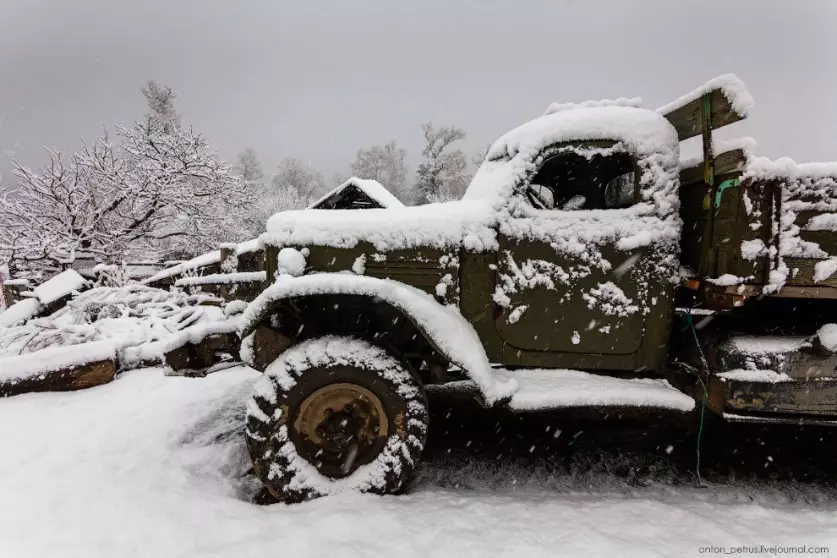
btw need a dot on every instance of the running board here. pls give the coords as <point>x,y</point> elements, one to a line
<point>554,389</point>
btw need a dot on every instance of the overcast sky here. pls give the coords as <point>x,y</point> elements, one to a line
<point>317,80</point>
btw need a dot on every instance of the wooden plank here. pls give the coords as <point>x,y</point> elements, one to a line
<point>817,397</point>
<point>687,119</point>
<point>802,273</point>
<point>203,354</point>
<point>69,379</point>
<point>726,162</point>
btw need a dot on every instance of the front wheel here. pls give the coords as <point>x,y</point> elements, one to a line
<point>332,414</point>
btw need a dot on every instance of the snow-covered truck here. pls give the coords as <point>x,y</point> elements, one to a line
<point>585,266</point>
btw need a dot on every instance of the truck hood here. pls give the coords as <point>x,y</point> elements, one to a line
<point>470,224</point>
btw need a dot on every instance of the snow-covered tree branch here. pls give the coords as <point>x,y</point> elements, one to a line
<point>159,190</point>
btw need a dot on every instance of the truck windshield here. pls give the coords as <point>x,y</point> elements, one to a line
<point>571,181</point>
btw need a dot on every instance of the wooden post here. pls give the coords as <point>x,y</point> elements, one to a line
<point>229,263</point>
<point>707,253</point>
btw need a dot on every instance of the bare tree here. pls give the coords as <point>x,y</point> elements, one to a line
<point>160,189</point>
<point>339,178</point>
<point>295,174</point>
<point>248,167</point>
<point>386,165</point>
<point>160,99</point>
<point>442,175</point>
<point>480,156</point>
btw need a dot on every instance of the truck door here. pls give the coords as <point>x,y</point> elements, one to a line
<point>572,258</point>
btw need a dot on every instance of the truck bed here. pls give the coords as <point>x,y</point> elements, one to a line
<point>765,227</point>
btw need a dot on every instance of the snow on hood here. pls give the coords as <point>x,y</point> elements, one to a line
<point>438,225</point>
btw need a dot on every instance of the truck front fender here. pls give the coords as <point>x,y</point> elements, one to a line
<point>443,327</point>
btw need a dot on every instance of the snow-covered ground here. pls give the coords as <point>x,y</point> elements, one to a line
<point>151,465</point>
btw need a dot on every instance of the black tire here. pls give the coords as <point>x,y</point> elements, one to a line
<point>334,414</point>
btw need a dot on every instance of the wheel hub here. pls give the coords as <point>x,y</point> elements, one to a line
<point>340,427</point>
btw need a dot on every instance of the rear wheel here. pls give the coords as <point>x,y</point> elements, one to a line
<point>332,414</point>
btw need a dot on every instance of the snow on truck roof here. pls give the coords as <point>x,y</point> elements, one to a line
<point>641,131</point>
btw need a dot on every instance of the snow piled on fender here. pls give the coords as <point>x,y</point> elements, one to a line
<point>445,326</point>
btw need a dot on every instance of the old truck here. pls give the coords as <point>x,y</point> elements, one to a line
<point>586,266</point>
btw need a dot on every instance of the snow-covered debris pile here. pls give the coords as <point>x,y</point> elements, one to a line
<point>141,323</point>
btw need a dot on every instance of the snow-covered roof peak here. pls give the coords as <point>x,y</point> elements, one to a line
<point>635,102</point>
<point>372,188</point>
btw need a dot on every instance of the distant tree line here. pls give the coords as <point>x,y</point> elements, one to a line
<point>156,190</point>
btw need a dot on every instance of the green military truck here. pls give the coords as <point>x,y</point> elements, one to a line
<point>586,266</point>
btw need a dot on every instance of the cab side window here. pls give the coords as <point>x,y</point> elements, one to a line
<point>572,181</point>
